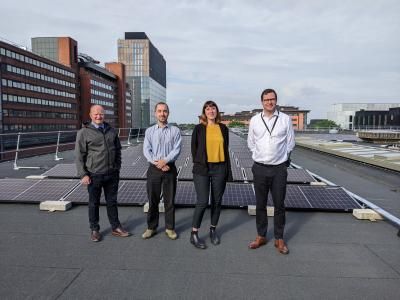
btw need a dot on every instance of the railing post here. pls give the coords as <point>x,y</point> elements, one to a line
<point>138,134</point>
<point>16,152</point>
<point>56,157</point>
<point>129,137</point>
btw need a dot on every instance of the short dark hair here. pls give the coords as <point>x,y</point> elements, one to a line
<point>161,103</point>
<point>267,91</point>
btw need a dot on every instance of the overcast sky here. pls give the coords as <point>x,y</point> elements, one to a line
<point>314,53</point>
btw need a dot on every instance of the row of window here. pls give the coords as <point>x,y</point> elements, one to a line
<point>36,127</point>
<point>109,112</point>
<point>102,94</point>
<point>35,62</point>
<point>101,84</point>
<point>37,101</point>
<point>35,75</point>
<point>35,88</point>
<point>37,114</point>
<point>101,102</point>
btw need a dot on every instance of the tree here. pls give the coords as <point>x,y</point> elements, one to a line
<point>236,124</point>
<point>325,124</point>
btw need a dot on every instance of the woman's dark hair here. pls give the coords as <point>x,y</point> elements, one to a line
<point>203,118</point>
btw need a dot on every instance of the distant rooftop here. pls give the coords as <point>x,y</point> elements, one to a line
<point>136,36</point>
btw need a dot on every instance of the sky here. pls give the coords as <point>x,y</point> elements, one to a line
<point>314,53</point>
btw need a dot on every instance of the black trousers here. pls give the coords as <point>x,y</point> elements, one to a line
<point>161,182</point>
<point>109,183</point>
<point>266,178</point>
<point>214,181</point>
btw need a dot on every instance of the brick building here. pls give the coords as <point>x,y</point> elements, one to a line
<point>299,117</point>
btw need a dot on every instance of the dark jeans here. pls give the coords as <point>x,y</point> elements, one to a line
<point>216,179</point>
<point>269,177</point>
<point>109,183</point>
<point>161,182</point>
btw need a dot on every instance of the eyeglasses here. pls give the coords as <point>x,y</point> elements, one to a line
<point>269,100</point>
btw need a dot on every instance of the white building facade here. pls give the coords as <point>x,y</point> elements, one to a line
<point>343,113</point>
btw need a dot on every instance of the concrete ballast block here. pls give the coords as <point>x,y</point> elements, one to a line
<point>39,177</point>
<point>251,210</point>
<point>55,205</point>
<point>366,214</point>
<point>161,208</point>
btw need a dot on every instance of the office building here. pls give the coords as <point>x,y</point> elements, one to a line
<point>374,119</point>
<point>343,113</point>
<point>97,85</point>
<point>37,94</point>
<point>145,73</point>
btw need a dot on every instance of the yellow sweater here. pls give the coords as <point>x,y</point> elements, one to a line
<point>214,144</point>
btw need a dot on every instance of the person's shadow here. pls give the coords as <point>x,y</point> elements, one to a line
<point>294,223</point>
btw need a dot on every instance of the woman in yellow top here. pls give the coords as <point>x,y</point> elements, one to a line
<point>211,169</point>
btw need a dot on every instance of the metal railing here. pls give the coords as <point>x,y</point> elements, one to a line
<point>14,146</point>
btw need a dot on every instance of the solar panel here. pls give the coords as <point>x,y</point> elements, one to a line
<point>44,190</point>
<point>295,198</point>
<point>236,173</point>
<point>334,198</point>
<point>186,172</point>
<point>294,175</point>
<point>80,195</point>
<point>238,195</point>
<point>133,172</point>
<point>299,175</point>
<point>246,162</point>
<point>249,173</point>
<point>11,188</point>
<point>62,171</point>
<point>185,193</point>
<point>132,192</point>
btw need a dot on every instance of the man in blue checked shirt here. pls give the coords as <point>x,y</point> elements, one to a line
<point>161,147</point>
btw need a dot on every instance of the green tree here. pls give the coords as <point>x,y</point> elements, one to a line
<point>325,124</point>
<point>236,124</point>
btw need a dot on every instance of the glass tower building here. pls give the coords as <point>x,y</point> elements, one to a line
<point>145,73</point>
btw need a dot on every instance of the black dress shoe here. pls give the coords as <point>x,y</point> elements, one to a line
<point>214,236</point>
<point>196,241</point>
<point>95,236</point>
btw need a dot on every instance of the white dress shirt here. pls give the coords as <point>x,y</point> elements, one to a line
<point>271,147</point>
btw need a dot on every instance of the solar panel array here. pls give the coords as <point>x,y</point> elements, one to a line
<point>132,191</point>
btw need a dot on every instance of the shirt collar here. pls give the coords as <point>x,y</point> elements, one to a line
<point>166,126</point>
<point>275,114</point>
<point>98,126</point>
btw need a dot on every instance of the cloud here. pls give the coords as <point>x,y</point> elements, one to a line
<point>314,53</point>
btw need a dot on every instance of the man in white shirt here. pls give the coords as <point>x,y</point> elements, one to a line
<point>271,140</point>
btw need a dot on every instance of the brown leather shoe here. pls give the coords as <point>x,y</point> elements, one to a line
<point>95,236</point>
<point>120,232</point>
<point>281,246</point>
<point>258,242</point>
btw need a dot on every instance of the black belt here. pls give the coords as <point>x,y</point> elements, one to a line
<point>265,165</point>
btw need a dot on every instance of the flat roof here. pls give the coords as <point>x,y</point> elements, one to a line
<point>332,255</point>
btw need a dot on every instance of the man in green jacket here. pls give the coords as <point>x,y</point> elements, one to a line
<point>98,161</point>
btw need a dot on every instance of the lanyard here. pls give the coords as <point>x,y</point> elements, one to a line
<point>273,126</point>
